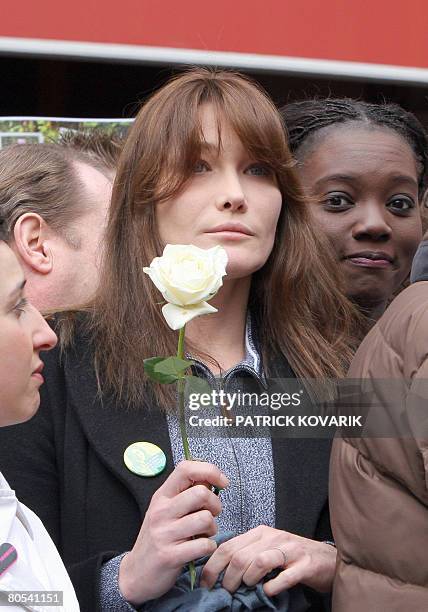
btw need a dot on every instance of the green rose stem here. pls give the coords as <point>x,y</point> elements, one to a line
<point>187,455</point>
<point>181,384</point>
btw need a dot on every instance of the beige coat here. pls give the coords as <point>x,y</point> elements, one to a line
<point>379,485</point>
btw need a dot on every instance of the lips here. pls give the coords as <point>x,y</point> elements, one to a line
<point>233,228</point>
<point>371,259</point>
<point>38,372</point>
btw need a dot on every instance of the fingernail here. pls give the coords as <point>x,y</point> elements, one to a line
<point>224,480</point>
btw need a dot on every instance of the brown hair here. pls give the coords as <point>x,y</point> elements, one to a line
<point>102,146</point>
<point>3,230</point>
<point>295,298</point>
<point>42,178</point>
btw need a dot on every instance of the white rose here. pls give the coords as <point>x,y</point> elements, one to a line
<point>187,277</point>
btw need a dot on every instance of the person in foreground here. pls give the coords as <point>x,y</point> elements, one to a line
<point>206,162</point>
<point>29,560</point>
<point>366,168</point>
<point>391,562</point>
<point>379,482</point>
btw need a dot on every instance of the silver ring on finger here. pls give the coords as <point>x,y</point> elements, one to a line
<point>283,554</point>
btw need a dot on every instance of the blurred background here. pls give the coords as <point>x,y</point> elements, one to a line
<point>90,59</point>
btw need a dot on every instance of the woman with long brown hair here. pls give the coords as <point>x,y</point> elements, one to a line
<point>206,163</point>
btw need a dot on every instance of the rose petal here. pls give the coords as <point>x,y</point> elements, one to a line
<point>178,316</point>
<point>152,272</point>
<point>187,275</point>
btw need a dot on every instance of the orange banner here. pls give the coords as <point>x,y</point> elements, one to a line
<point>376,31</point>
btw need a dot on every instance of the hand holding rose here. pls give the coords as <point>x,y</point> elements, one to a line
<point>186,276</point>
<point>177,513</point>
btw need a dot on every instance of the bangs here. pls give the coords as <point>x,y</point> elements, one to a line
<point>238,104</point>
<point>256,123</point>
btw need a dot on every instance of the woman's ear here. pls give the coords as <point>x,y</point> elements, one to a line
<point>30,233</point>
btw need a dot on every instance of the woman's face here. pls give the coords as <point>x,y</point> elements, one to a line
<point>232,200</point>
<point>23,334</point>
<point>366,183</point>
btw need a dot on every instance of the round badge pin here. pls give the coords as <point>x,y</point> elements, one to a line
<point>144,459</point>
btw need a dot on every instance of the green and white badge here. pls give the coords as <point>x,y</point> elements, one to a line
<point>144,459</point>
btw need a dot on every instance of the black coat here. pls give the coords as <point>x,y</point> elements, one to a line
<point>67,465</point>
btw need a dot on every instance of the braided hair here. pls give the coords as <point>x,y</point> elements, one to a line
<point>305,119</point>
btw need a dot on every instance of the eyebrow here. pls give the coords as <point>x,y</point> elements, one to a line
<point>19,287</point>
<point>402,178</point>
<point>352,178</point>
<point>346,178</point>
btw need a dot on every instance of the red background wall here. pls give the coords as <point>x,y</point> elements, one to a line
<point>378,31</point>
